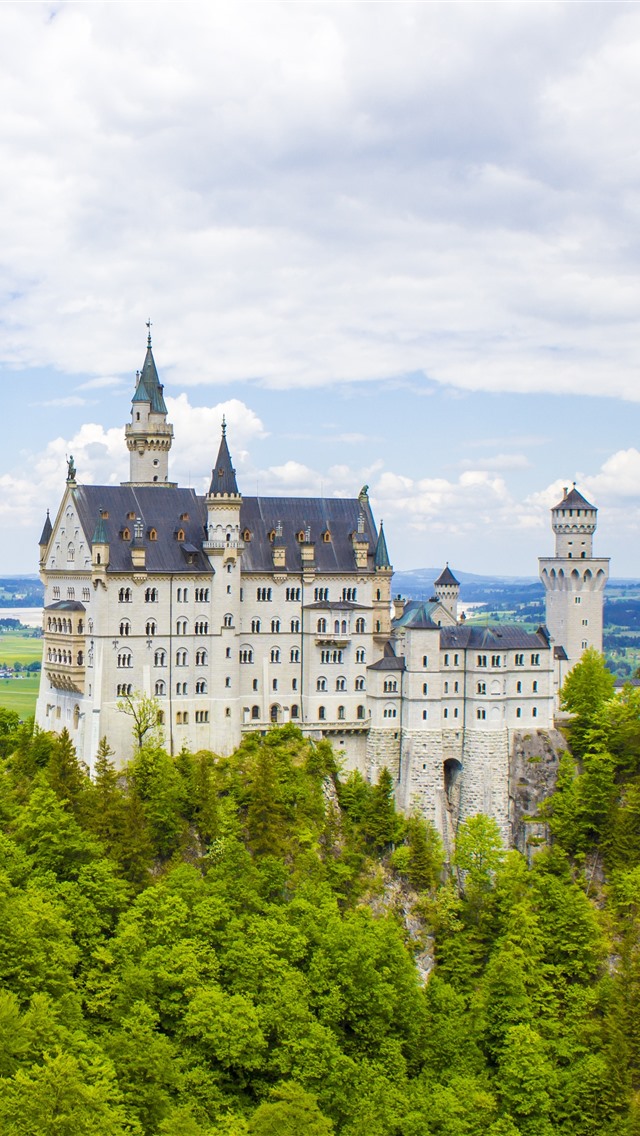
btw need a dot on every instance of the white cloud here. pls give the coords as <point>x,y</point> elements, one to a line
<point>305,194</point>
<point>497,461</point>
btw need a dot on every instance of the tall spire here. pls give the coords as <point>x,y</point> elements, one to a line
<point>223,475</point>
<point>381,558</point>
<point>47,529</point>
<point>148,435</point>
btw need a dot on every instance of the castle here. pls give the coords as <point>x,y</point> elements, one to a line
<point>236,613</point>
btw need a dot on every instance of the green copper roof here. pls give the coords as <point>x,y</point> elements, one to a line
<point>381,558</point>
<point>149,388</point>
<point>223,476</point>
<point>100,535</point>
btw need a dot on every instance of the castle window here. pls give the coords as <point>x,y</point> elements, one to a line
<point>390,685</point>
<point>577,599</point>
<point>201,686</point>
<point>246,655</point>
<point>425,688</point>
<point>124,595</point>
<point>322,626</point>
<point>519,660</point>
<point>425,660</point>
<point>160,718</point>
<point>124,689</point>
<point>181,627</point>
<point>425,715</point>
<point>125,659</point>
<point>322,713</point>
<point>585,622</point>
<point>271,536</point>
<point>56,593</point>
<point>202,715</point>
<point>151,627</point>
<point>456,660</point>
<point>300,536</point>
<point>274,684</point>
<point>255,713</point>
<point>292,594</point>
<point>389,712</point>
<point>534,687</point>
<point>584,644</point>
<point>341,683</point>
<point>481,688</point>
<point>246,535</point>
<point>295,713</point>
<point>321,684</point>
<point>534,712</point>
<point>481,660</point>
<point>202,595</point>
<point>518,688</point>
<point>125,627</point>
<point>295,626</point>
<point>321,595</point>
<point>446,688</point>
<point>518,712</point>
<point>446,661</point>
<point>341,713</point>
<point>350,594</point>
<point>294,684</point>
<point>263,595</point>
<point>180,534</point>
<point>151,595</point>
<point>445,712</point>
<point>360,713</point>
<point>227,681</point>
<point>153,534</point>
<point>481,715</point>
<point>160,659</point>
<point>227,621</point>
<point>254,685</point>
<point>359,683</point>
<point>295,655</point>
<point>182,658</point>
<point>275,626</point>
<point>125,534</point>
<point>275,654</point>
<point>184,516</point>
<point>378,625</point>
<point>160,688</point>
<point>255,626</point>
<point>360,655</point>
<point>326,536</point>
<point>181,688</point>
<point>360,626</point>
<point>535,660</point>
<point>496,660</point>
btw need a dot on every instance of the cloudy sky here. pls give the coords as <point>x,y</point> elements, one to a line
<point>394,243</point>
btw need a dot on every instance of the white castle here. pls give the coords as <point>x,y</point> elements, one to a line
<point>237,613</point>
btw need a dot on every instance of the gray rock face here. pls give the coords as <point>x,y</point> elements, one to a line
<point>533,768</point>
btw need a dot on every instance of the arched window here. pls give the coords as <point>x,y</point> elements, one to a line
<point>151,595</point>
<point>153,534</point>
<point>360,713</point>
<point>341,714</point>
<point>71,552</point>
<point>361,655</point>
<point>160,659</point>
<point>322,626</point>
<point>246,655</point>
<point>336,627</point>
<point>160,688</point>
<point>228,620</point>
<point>295,626</point>
<point>322,713</point>
<point>151,627</point>
<point>274,712</point>
<point>125,659</point>
<point>255,626</point>
<point>295,712</point>
<point>360,626</point>
<point>321,684</point>
<point>275,654</point>
<point>359,683</point>
<point>255,713</point>
<point>341,683</point>
<point>181,627</point>
<point>275,626</point>
<point>201,657</point>
<point>182,658</point>
<point>201,686</point>
<point>124,595</point>
<point>390,686</point>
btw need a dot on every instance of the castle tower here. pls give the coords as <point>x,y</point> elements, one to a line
<point>223,507</point>
<point>148,435</point>
<point>574,582</point>
<point>382,589</point>
<point>447,590</point>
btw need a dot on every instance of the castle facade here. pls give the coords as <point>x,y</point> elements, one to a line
<point>236,613</point>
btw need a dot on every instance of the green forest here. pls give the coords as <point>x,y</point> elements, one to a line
<point>206,946</point>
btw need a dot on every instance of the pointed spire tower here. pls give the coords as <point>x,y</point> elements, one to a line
<point>223,507</point>
<point>447,590</point>
<point>382,591</point>
<point>148,435</point>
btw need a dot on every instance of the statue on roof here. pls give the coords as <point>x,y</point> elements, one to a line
<point>71,469</point>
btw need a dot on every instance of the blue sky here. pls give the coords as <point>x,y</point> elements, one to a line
<point>393,243</point>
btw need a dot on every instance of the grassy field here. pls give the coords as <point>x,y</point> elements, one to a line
<point>19,694</point>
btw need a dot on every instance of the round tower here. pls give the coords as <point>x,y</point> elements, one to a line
<point>148,435</point>
<point>574,582</point>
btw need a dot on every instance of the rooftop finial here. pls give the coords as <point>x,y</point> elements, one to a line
<point>148,325</point>
<point>224,426</point>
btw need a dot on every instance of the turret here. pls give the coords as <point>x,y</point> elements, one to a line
<point>223,506</point>
<point>148,435</point>
<point>382,587</point>
<point>574,581</point>
<point>100,550</point>
<point>45,537</point>
<point>447,591</point>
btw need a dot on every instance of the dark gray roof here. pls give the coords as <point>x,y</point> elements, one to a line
<point>447,577</point>
<point>161,508</point>
<point>502,637</point>
<point>65,605</point>
<point>47,529</point>
<point>336,515</point>
<point>389,663</point>
<point>574,500</point>
<point>100,532</point>
<point>223,476</point>
<point>560,653</point>
<point>418,614</point>
<point>381,558</point>
<point>336,605</point>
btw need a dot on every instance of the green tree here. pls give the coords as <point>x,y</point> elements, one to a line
<point>290,1111</point>
<point>144,712</point>
<point>586,689</point>
<point>479,849</point>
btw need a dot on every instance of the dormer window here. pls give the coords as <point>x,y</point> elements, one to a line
<point>271,536</point>
<point>300,536</point>
<point>246,536</point>
<point>326,536</point>
<point>131,516</point>
<point>153,534</point>
<point>184,516</point>
<point>125,534</point>
<point>180,534</point>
